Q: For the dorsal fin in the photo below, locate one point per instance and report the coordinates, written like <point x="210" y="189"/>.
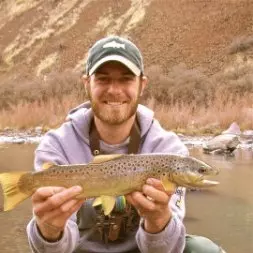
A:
<point x="105" y="158"/>
<point x="46" y="166"/>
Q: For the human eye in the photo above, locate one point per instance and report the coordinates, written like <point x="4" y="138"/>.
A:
<point x="102" y="79"/>
<point x="127" y="78"/>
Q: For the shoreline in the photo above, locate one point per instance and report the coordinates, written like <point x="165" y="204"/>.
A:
<point x="33" y="137"/>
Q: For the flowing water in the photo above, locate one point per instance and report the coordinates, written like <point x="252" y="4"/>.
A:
<point x="224" y="213"/>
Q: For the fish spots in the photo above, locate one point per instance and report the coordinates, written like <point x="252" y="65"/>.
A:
<point x="55" y="172"/>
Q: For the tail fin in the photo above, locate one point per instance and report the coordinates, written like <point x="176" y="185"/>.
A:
<point x="11" y="191"/>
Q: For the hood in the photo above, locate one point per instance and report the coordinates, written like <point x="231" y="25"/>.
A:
<point x="81" y="116"/>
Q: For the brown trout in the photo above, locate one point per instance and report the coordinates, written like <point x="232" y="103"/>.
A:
<point x="108" y="176"/>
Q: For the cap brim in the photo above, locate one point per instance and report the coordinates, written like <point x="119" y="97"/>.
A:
<point x="117" y="58"/>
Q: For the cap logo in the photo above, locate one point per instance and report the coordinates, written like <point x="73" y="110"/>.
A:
<point x="114" y="44"/>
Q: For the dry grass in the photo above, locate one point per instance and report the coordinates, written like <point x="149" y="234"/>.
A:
<point x="184" y="100"/>
<point x="47" y="114"/>
<point x="187" y="118"/>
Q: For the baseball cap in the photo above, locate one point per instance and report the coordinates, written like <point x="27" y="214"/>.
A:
<point x="114" y="48"/>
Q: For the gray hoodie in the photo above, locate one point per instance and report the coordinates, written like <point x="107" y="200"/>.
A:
<point x="69" y="144"/>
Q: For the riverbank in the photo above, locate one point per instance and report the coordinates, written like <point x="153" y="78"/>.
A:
<point x="35" y="136"/>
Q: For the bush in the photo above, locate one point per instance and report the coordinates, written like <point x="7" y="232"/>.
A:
<point x="41" y="89"/>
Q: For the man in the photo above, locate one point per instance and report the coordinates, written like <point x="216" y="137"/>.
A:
<point x="111" y="122"/>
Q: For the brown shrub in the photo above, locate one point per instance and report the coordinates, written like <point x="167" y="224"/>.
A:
<point x="40" y="89"/>
<point x="240" y="44"/>
<point x="180" y="85"/>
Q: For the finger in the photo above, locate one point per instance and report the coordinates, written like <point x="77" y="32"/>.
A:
<point x="60" y="214"/>
<point x="74" y="208"/>
<point x="67" y="206"/>
<point x="155" y="182"/>
<point x="141" y="202"/>
<point x="45" y="192"/>
<point x="158" y="185"/>
<point x="57" y="200"/>
<point x="156" y="195"/>
<point x="129" y="199"/>
<point x="57" y="221"/>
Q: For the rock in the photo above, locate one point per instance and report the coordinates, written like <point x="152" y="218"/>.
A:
<point x="246" y="137"/>
<point x="233" y="129"/>
<point x="19" y="141"/>
<point x="225" y="143"/>
<point x="181" y="136"/>
<point x="38" y="130"/>
<point x="247" y="133"/>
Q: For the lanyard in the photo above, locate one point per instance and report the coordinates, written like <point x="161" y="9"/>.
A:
<point x="110" y="227"/>
<point x="133" y="146"/>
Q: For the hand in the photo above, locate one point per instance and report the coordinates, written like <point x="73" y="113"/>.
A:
<point x="153" y="205"/>
<point x="52" y="207"/>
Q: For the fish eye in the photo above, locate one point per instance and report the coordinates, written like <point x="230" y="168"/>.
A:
<point x="202" y="170"/>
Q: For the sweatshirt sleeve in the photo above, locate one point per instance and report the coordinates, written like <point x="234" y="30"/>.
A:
<point x="170" y="240"/>
<point x="66" y="244"/>
<point x="49" y="152"/>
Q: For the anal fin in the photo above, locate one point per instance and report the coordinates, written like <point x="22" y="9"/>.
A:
<point x="107" y="202"/>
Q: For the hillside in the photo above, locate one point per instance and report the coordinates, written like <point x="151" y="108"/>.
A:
<point x="37" y="37"/>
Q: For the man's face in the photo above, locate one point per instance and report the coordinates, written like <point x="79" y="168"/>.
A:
<point x="114" y="93"/>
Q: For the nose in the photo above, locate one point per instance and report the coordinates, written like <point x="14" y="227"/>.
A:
<point x="114" y="87"/>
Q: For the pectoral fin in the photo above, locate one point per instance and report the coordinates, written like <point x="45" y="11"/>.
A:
<point x="167" y="184"/>
<point x="108" y="203"/>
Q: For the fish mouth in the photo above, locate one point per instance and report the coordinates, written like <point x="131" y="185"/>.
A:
<point x="204" y="183"/>
<point x="192" y="180"/>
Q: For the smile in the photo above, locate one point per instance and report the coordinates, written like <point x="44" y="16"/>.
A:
<point x="114" y="103"/>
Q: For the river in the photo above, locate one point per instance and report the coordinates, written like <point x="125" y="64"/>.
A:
<point x="224" y="213"/>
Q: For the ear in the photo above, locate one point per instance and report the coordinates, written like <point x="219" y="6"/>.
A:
<point x="144" y="82"/>
<point x="86" y="81"/>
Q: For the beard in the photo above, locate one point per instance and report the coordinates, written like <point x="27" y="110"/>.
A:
<point x="114" y="115"/>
